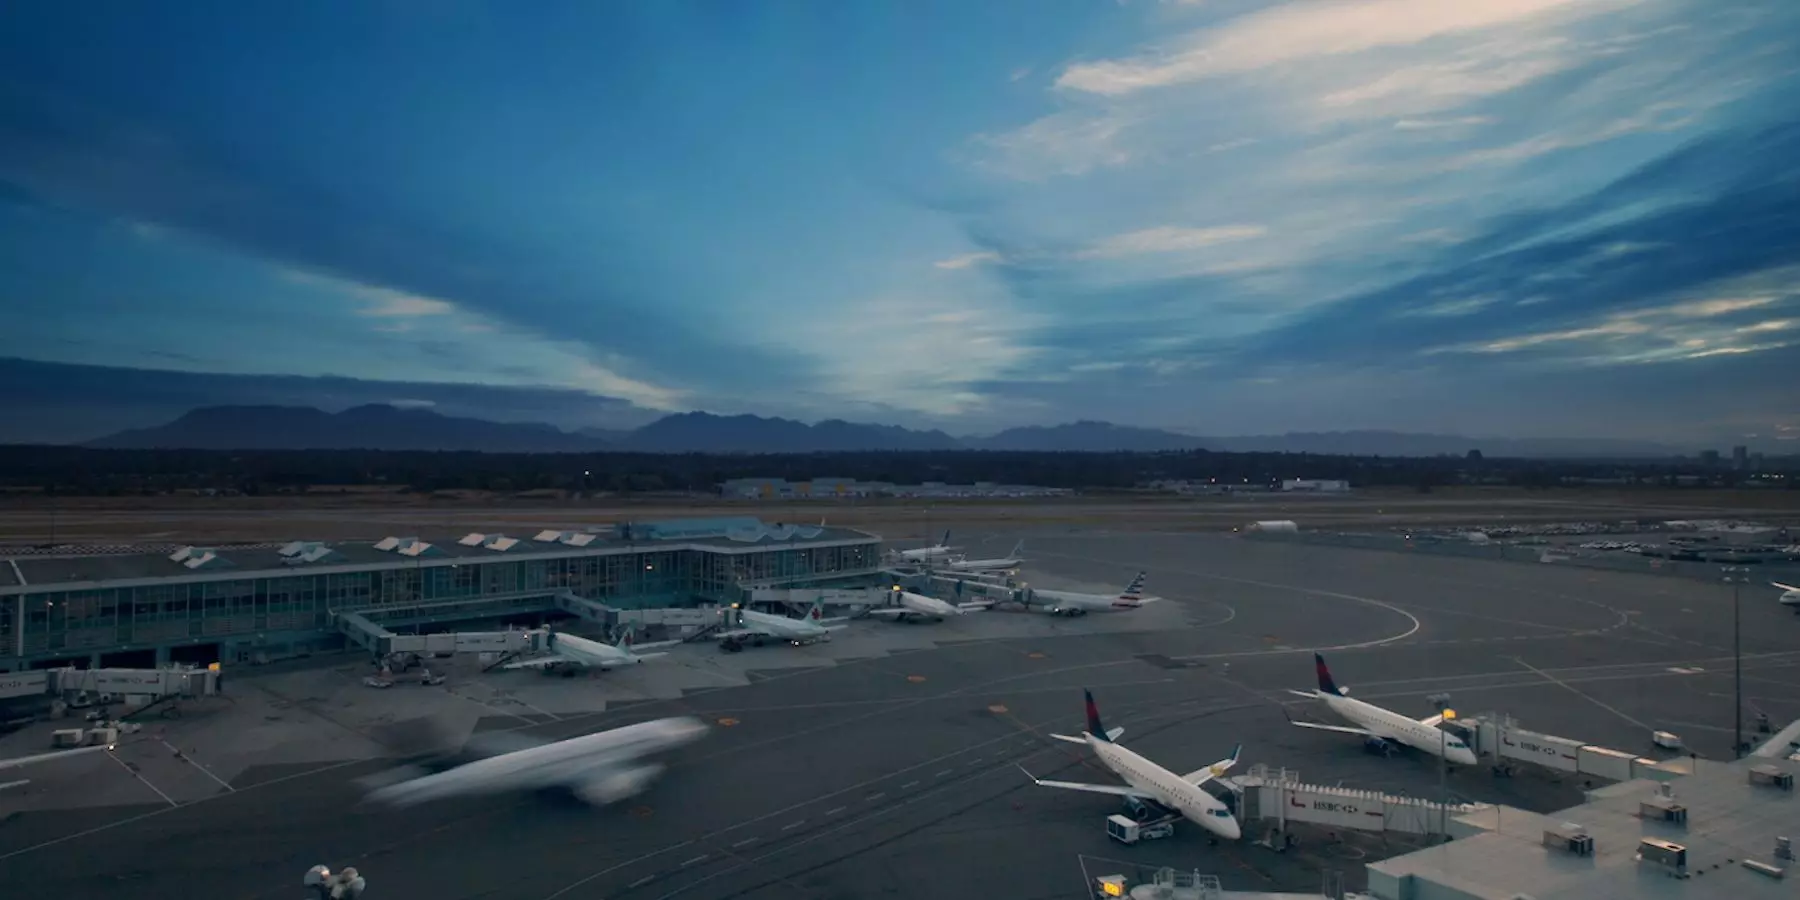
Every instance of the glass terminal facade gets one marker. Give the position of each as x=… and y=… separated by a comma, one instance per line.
x=243, y=615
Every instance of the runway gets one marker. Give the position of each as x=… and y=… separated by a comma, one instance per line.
x=900, y=776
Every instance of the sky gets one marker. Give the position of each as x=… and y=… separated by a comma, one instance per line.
x=1523, y=218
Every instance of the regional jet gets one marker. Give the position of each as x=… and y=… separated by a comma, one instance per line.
x=1165, y=792
x=600, y=768
x=1071, y=603
x=1011, y=561
x=1384, y=728
x=1790, y=595
x=755, y=627
x=570, y=653
x=909, y=606
x=920, y=554
x=18, y=761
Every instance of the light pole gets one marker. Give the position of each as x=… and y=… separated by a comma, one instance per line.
x=1442, y=703
x=1736, y=576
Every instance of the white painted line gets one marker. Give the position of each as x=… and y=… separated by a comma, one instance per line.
x=701, y=858
x=196, y=764
x=875, y=796
x=975, y=762
x=909, y=784
x=139, y=776
x=1577, y=692
x=793, y=825
x=743, y=843
x=942, y=774
x=642, y=881
x=834, y=811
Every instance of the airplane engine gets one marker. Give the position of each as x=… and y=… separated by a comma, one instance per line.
x=618, y=785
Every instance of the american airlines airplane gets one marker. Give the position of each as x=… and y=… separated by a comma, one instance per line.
x=936, y=551
x=1164, y=791
x=600, y=768
x=1385, y=728
x=756, y=627
x=1790, y=595
x=18, y=761
x=1071, y=603
x=913, y=607
x=1011, y=561
x=571, y=653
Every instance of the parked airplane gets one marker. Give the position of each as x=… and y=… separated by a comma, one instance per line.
x=571, y=653
x=1385, y=728
x=756, y=627
x=600, y=768
x=911, y=606
x=1071, y=603
x=1790, y=595
x=936, y=551
x=1164, y=791
x=18, y=761
x=1011, y=561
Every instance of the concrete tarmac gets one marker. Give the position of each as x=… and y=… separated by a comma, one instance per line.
x=900, y=775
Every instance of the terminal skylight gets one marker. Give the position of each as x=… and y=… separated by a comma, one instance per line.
x=300, y=552
x=198, y=557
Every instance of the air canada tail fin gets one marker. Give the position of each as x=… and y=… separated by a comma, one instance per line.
x=1018, y=550
x=818, y=610
x=1326, y=684
x=1093, y=718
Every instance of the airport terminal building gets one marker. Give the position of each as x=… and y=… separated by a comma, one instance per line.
x=255, y=604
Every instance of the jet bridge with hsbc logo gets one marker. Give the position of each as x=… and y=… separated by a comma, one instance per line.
x=1500, y=738
x=1279, y=797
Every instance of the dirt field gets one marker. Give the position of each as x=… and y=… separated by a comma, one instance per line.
x=374, y=515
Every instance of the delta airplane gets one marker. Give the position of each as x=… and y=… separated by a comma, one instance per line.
x=755, y=627
x=1164, y=791
x=1012, y=561
x=919, y=554
x=1790, y=595
x=1070, y=603
x=600, y=768
x=571, y=653
x=1382, y=727
x=18, y=761
x=911, y=606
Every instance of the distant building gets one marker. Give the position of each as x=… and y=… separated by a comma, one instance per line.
x=1315, y=485
x=1709, y=458
x=845, y=488
x=1740, y=457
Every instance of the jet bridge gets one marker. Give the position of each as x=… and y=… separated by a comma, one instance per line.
x=384, y=643
x=1279, y=797
x=1500, y=738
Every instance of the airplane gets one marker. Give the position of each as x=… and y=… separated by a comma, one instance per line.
x=1790, y=595
x=1071, y=603
x=18, y=761
x=1383, y=728
x=755, y=627
x=1011, y=561
x=1165, y=792
x=570, y=653
x=919, y=554
x=918, y=606
x=600, y=768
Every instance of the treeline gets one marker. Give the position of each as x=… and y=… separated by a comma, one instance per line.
x=90, y=472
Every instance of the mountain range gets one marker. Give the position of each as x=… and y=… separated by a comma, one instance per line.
x=382, y=427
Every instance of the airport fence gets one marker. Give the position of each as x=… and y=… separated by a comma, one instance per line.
x=1528, y=553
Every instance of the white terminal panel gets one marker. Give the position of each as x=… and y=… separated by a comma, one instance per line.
x=1613, y=765
x=1546, y=750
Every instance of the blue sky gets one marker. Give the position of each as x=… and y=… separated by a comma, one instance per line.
x=1488, y=217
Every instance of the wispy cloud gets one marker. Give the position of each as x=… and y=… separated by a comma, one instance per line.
x=1169, y=239
x=967, y=260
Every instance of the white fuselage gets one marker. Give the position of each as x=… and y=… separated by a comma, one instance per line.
x=928, y=606
x=593, y=653
x=923, y=553
x=1057, y=601
x=984, y=565
x=1400, y=729
x=782, y=626
x=1170, y=790
x=561, y=763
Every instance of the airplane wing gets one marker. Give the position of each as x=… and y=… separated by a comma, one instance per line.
x=1113, y=789
x=1202, y=776
x=889, y=611
x=975, y=605
x=539, y=662
x=741, y=633
x=1432, y=721
x=1112, y=734
x=1341, y=729
x=1785, y=587
x=54, y=754
x=634, y=648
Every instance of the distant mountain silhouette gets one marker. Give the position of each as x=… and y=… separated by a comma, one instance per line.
x=382, y=427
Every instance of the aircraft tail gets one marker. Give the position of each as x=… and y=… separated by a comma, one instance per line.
x=1326, y=684
x=1133, y=595
x=945, y=540
x=1018, y=550
x=1094, y=726
x=624, y=641
x=818, y=610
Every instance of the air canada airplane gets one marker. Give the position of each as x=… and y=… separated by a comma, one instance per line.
x=748, y=625
x=911, y=606
x=1148, y=783
x=1071, y=603
x=1790, y=595
x=920, y=554
x=1385, y=728
x=18, y=761
x=1011, y=561
x=572, y=653
x=600, y=768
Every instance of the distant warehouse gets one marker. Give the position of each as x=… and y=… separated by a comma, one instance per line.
x=254, y=604
x=845, y=488
x=1314, y=486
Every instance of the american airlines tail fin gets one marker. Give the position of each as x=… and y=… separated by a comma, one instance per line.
x=1326, y=684
x=1133, y=595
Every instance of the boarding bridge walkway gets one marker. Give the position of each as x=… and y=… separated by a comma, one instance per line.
x=1279, y=797
x=384, y=643
x=136, y=687
x=1499, y=739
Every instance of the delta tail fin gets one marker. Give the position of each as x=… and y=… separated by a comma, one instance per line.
x=1094, y=726
x=1326, y=684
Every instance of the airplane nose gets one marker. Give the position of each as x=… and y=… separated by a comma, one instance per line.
x=1228, y=829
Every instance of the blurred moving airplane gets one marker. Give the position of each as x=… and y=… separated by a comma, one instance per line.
x=600, y=768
